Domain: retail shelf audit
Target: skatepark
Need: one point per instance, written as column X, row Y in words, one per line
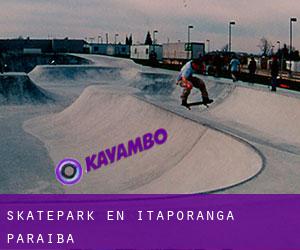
column 248, row 141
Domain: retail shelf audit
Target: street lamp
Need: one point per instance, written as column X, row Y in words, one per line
column 208, row 45
column 116, row 35
column 154, row 42
column 229, row 44
column 106, row 35
column 189, row 38
column 292, row 19
column 281, row 57
column 154, row 32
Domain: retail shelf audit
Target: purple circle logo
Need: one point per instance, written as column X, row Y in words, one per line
column 68, row 171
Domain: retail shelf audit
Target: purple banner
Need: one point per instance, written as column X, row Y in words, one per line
column 261, row 222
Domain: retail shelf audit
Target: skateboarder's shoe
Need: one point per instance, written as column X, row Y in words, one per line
column 206, row 100
column 184, row 103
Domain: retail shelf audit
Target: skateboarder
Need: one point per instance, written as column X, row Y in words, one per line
column 187, row 81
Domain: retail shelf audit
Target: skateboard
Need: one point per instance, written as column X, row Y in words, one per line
column 189, row 105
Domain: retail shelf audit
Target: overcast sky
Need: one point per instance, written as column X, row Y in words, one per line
column 90, row 18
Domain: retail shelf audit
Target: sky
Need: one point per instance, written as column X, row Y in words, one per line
column 92, row 18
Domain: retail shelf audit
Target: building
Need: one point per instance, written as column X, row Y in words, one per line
column 120, row 50
column 295, row 66
column 146, row 52
column 179, row 52
column 68, row 45
column 42, row 45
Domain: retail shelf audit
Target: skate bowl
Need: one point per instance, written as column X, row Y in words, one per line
column 154, row 83
column 149, row 83
column 149, row 80
column 271, row 115
column 74, row 74
column 17, row 88
column 194, row 159
column 108, row 61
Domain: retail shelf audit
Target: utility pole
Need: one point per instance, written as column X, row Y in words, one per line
column 292, row 19
column 189, row 40
column 229, row 44
column 208, row 45
column 116, row 35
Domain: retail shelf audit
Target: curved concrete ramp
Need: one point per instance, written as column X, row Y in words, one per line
column 261, row 112
column 74, row 73
column 109, row 61
column 17, row 88
column 154, row 83
column 194, row 159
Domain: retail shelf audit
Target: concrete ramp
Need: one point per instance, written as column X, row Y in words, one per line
column 271, row 115
column 17, row 88
column 75, row 74
column 194, row 159
column 147, row 82
column 154, row 83
column 109, row 61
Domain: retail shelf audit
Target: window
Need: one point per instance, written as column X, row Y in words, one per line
column 147, row 51
column 135, row 51
column 123, row 49
column 96, row 49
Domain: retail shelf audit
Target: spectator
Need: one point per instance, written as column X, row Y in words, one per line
column 235, row 68
column 274, row 73
column 218, row 65
column 252, row 69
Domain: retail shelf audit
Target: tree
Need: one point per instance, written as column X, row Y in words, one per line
column 148, row 40
column 265, row 46
column 130, row 40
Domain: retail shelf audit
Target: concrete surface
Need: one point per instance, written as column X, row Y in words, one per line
column 246, row 142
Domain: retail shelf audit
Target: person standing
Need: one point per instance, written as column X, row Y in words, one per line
column 252, row 69
column 274, row 73
column 235, row 68
column 218, row 65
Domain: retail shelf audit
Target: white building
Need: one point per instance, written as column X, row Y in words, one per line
column 295, row 66
column 182, row 51
column 122, row 50
column 146, row 52
column 32, row 51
